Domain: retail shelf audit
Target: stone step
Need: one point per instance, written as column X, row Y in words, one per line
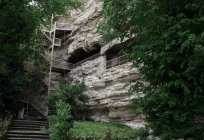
column 27, row 136
column 28, row 125
column 10, row 138
column 26, row 128
column 38, row 118
column 27, row 121
column 26, row 132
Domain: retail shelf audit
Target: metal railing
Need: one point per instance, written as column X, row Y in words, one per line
column 49, row 36
column 33, row 101
column 43, row 28
column 68, row 66
column 61, row 26
column 117, row 61
column 58, row 42
column 62, row 64
column 85, row 60
column 111, row 63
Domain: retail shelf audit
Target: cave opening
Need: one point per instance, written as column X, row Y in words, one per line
column 115, row 56
column 81, row 54
column 114, row 52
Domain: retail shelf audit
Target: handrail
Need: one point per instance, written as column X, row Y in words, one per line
column 85, row 60
column 50, row 37
column 56, row 39
column 111, row 63
column 117, row 61
column 57, row 63
column 35, row 102
column 61, row 26
column 118, row 57
column 43, row 28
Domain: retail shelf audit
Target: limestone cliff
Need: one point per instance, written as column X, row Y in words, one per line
column 100, row 65
column 108, row 91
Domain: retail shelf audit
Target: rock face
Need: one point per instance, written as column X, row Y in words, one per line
column 84, row 24
column 108, row 91
column 106, row 79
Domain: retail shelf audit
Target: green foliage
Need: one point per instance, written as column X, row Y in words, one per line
column 61, row 123
column 19, row 21
column 72, row 94
column 99, row 129
column 11, row 78
column 168, row 49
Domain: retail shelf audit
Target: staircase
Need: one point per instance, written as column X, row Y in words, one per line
column 27, row 130
column 48, row 37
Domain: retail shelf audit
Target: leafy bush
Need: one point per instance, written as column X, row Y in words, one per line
column 71, row 94
column 61, row 123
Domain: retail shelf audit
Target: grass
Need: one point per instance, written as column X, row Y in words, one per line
column 98, row 130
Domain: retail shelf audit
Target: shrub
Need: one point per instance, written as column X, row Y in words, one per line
column 61, row 123
column 72, row 94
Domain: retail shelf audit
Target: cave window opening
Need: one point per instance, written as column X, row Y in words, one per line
column 115, row 57
column 81, row 56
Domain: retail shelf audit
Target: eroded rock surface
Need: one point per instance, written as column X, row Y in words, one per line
column 84, row 24
column 107, row 87
column 108, row 91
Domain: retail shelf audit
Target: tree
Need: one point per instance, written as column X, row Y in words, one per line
column 61, row 123
column 168, row 49
column 68, row 102
column 19, row 21
column 71, row 93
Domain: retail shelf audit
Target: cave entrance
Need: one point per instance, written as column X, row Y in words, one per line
column 114, row 52
column 115, row 56
column 81, row 55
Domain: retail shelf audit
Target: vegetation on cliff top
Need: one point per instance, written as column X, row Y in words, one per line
column 168, row 49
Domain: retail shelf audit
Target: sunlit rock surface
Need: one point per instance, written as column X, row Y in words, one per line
column 109, row 99
column 108, row 91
